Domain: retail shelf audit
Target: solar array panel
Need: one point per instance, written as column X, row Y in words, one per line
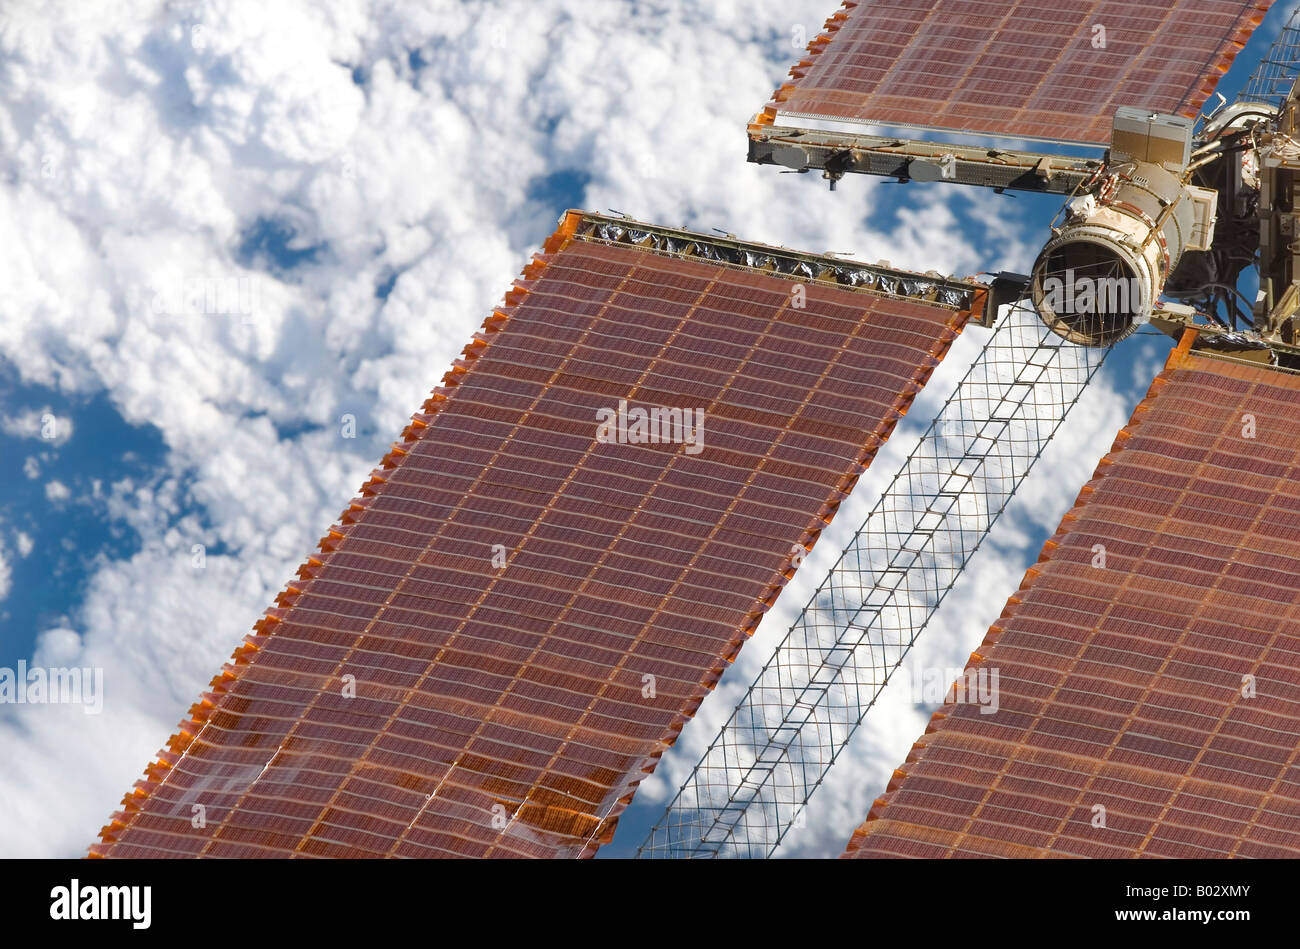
column 1041, row 69
column 1147, row 673
column 556, row 562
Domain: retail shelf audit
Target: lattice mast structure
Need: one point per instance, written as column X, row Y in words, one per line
column 800, row 712
column 1278, row 69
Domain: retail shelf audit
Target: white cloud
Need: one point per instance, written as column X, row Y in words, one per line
column 25, row 543
column 56, row 492
column 41, row 424
column 6, row 574
column 138, row 154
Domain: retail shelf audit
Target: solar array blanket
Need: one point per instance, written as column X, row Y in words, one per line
column 556, row 562
column 1029, row 69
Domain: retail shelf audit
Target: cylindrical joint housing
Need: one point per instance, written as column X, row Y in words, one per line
column 1097, row 279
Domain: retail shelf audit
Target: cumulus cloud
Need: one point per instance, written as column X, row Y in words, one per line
column 242, row 221
column 37, row 423
column 56, row 492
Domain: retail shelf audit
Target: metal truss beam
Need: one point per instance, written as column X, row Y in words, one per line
column 931, row 288
column 836, row 154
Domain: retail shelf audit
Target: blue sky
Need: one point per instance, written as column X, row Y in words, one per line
column 380, row 174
